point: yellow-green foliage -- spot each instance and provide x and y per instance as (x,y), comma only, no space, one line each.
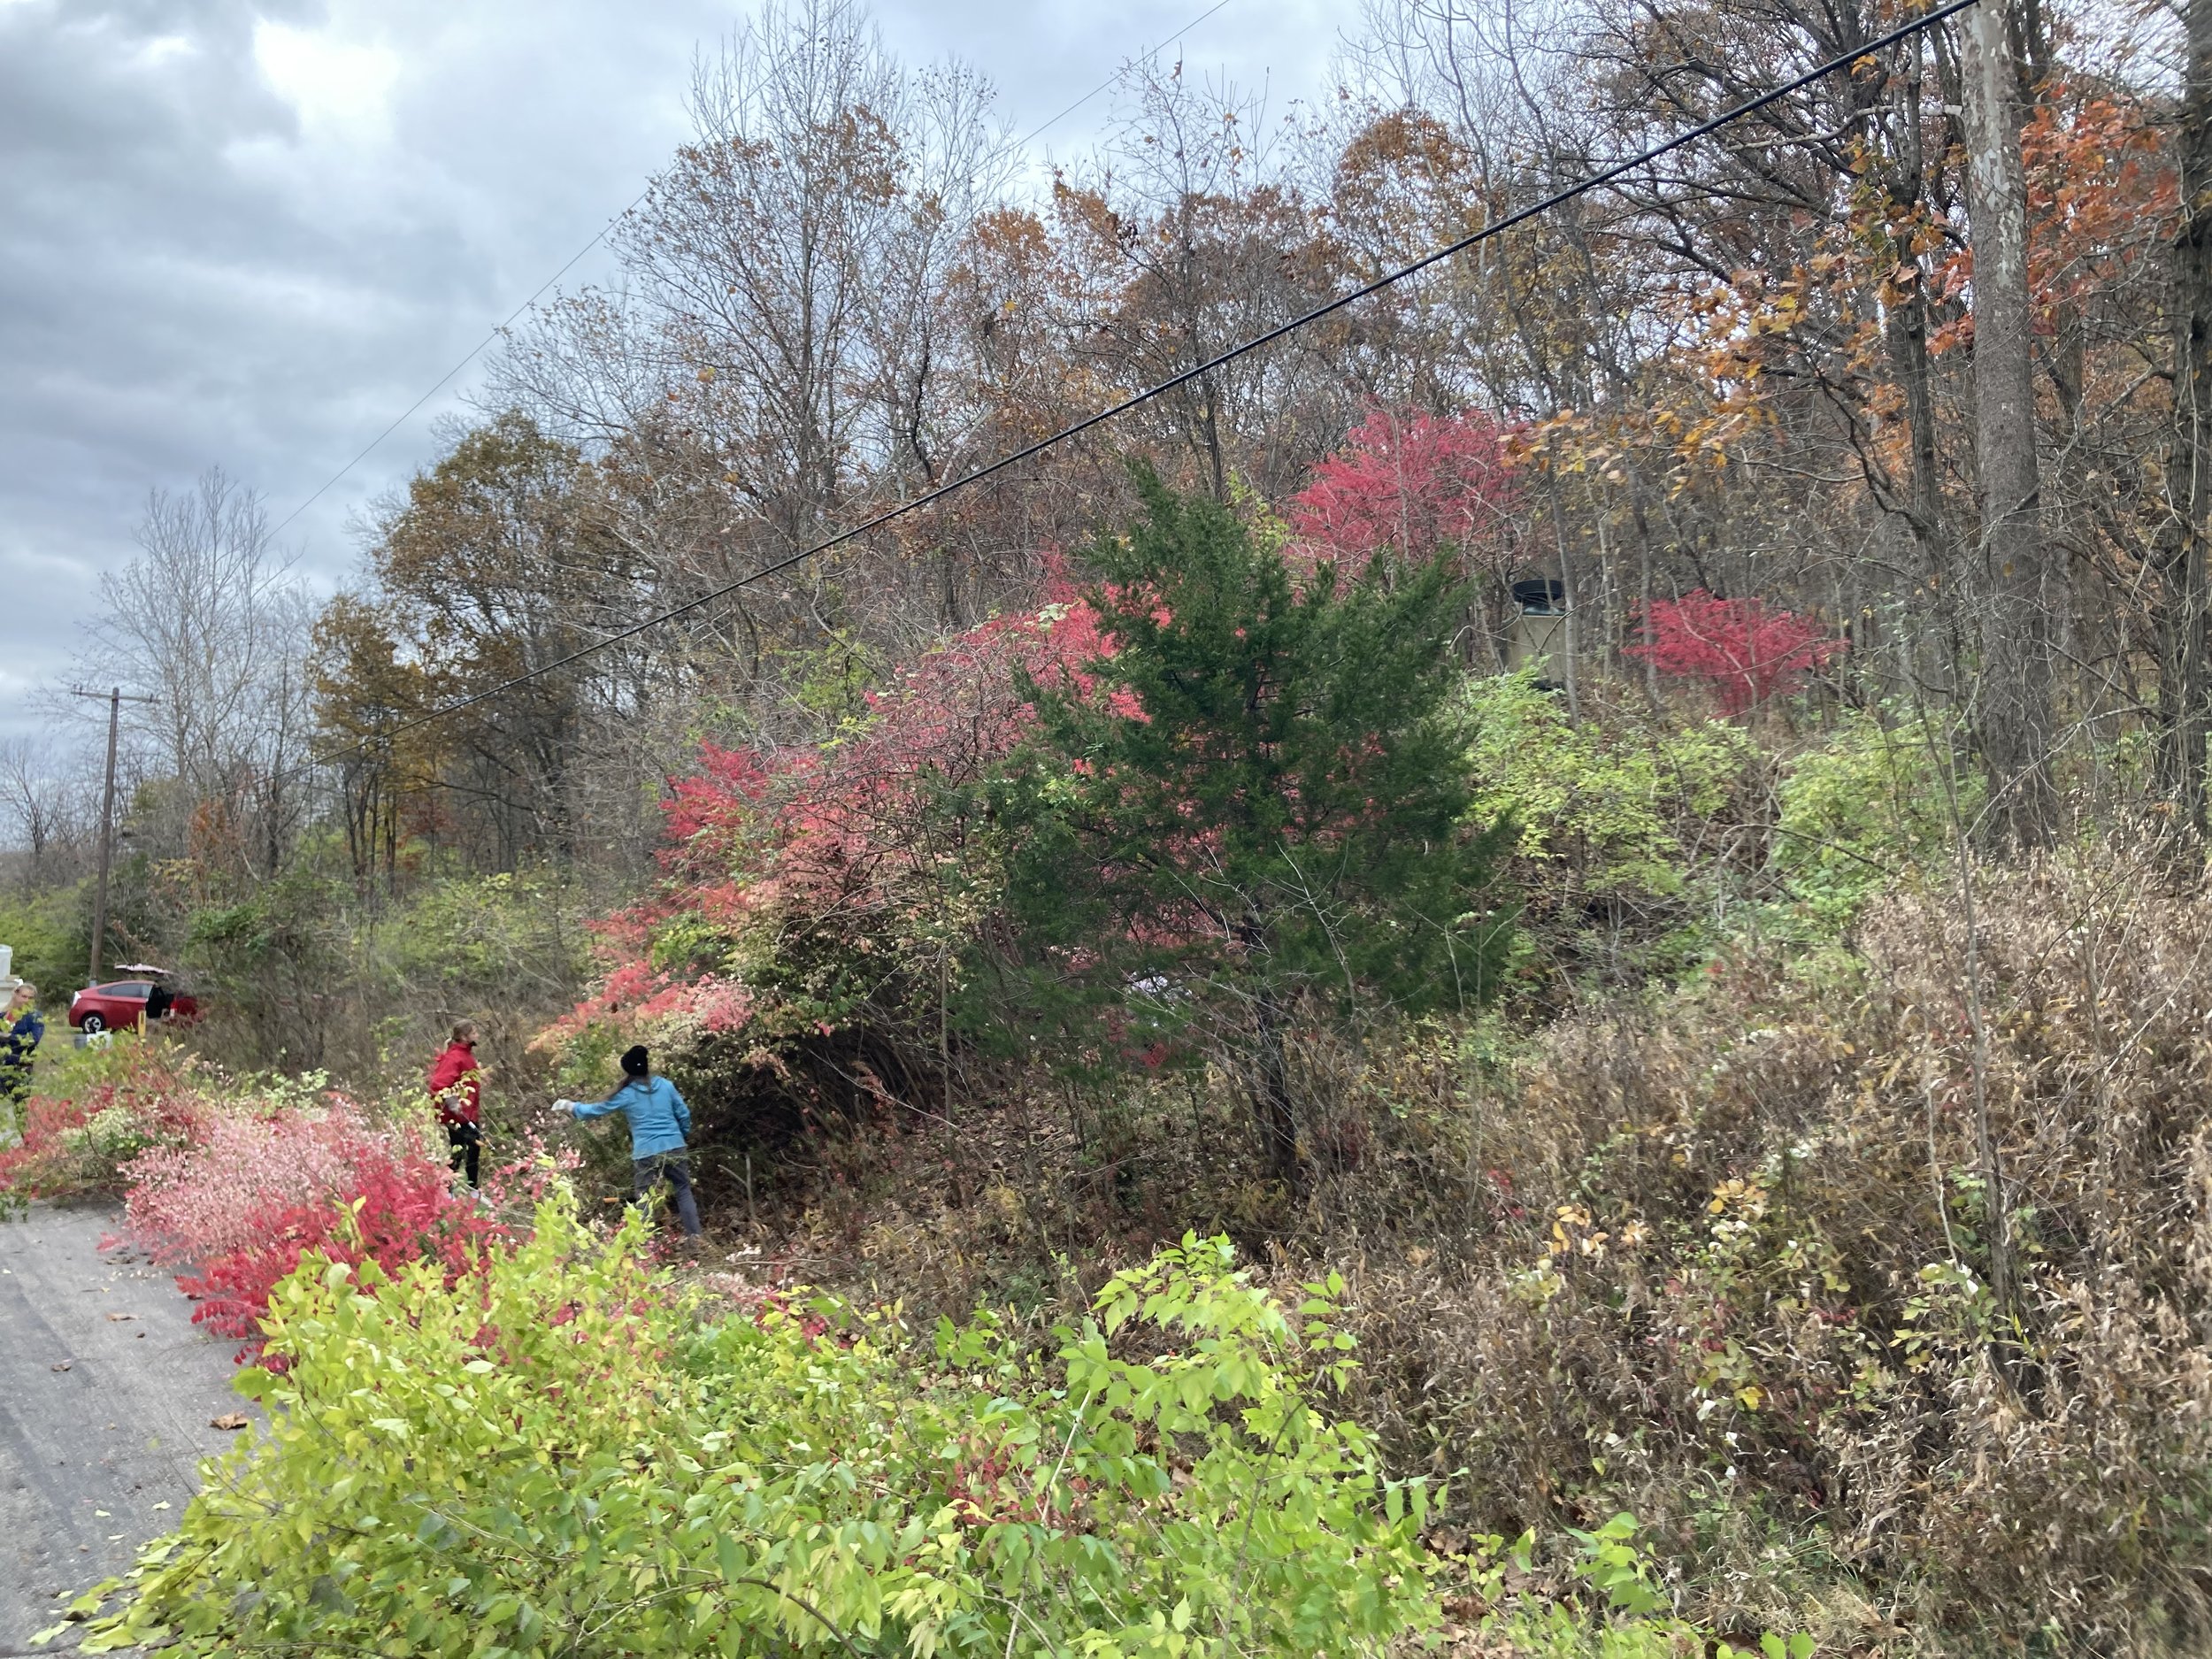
(1603,803)
(503,937)
(1868,809)
(560,1457)
(48,933)
(1561,1632)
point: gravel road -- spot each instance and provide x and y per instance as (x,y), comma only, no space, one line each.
(107,1394)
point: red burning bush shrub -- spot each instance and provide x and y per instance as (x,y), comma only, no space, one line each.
(81,1144)
(1744,649)
(1414,482)
(260,1189)
(235,1183)
(811,887)
(195,1203)
(401,1210)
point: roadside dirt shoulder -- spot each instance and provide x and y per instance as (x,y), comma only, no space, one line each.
(108,1394)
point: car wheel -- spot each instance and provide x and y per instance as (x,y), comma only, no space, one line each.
(95,1023)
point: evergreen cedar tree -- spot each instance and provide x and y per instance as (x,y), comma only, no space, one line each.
(1252,808)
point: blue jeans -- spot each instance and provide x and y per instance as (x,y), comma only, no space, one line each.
(648,1172)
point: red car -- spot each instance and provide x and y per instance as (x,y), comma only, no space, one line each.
(120,1003)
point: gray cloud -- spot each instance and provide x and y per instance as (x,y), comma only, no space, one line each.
(251,234)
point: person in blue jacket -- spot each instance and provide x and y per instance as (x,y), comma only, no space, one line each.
(659,1120)
(18,1043)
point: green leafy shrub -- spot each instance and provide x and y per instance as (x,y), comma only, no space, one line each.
(50,938)
(1615,1569)
(487,940)
(1610,1602)
(1866,809)
(267,967)
(568,1456)
(1616,814)
(1605,801)
(1560,1632)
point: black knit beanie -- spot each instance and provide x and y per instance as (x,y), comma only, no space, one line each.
(637,1062)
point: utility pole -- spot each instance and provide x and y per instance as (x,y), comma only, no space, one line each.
(115,700)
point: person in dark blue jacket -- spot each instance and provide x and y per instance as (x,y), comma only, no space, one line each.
(25,1030)
(659,1122)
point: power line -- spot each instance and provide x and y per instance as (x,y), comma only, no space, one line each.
(600,235)
(1496,227)
(1150,51)
(474,352)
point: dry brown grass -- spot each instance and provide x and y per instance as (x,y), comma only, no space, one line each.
(1721,1257)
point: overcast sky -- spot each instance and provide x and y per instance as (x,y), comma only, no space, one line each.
(250,235)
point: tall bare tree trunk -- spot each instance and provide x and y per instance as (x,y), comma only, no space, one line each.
(2185,698)
(2015,720)
(1909,330)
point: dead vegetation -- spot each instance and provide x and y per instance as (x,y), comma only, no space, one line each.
(1733,1257)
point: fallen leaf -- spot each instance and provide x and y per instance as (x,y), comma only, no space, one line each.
(117,1318)
(65,1365)
(230,1420)
(163,1504)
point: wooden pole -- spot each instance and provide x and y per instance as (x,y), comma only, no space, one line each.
(107,836)
(115,702)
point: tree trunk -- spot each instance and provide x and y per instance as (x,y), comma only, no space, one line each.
(1642,521)
(2185,698)
(2015,692)
(1907,333)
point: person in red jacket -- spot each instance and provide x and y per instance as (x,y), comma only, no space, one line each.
(455,1090)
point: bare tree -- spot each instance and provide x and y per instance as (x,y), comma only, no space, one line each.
(791,342)
(784,275)
(209,622)
(43,795)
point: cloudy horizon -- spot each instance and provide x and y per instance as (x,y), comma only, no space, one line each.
(250,235)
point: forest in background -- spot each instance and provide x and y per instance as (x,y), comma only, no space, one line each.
(1743,1055)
